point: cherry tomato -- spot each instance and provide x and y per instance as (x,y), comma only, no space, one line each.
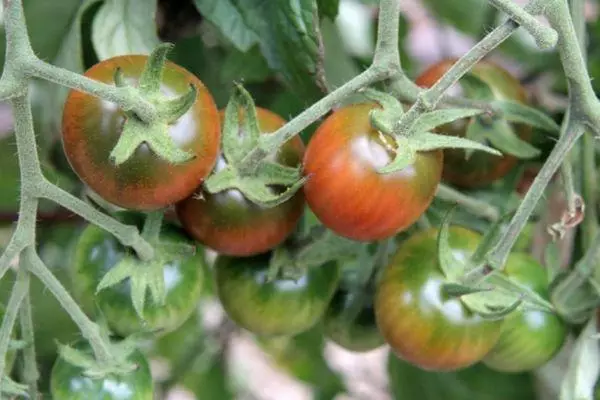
(354,329)
(420,324)
(232,225)
(98,251)
(345,190)
(68,382)
(91,128)
(280,307)
(481,168)
(529,338)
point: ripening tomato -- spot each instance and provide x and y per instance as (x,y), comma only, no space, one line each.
(346,191)
(352,325)
(529,338)
(69,382)
(481,168)
(421,325)
(91,128)
(280,307)
(232,225)
(98,251)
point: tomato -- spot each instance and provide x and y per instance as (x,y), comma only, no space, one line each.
(529,338)
(420,324)
(357,332)
(98,251)
(231,224)
(481,168)
(91,128)
(68,382)
(345,190)
(280,307)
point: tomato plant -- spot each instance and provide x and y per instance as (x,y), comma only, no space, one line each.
(529,338)
(421,325)
(70,382)
(345,189)
(480,168)
(282,306)
(233,225)
(350,321)
(97,252)
(91,128)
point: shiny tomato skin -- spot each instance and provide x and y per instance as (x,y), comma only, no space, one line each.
(91,128)
(232,225)
(98,251)
(481,168)
(359,333)
(281,307)
(68,382)
(344,188)
(529,338)
(421,326)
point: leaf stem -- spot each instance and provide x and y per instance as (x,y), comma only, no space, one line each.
(471,204)
(30,370)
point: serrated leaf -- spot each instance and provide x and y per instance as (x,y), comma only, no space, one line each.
(431,141)
(584,366)
(226,15)
(502,137)
(124,27)
(431,120)
(520,113)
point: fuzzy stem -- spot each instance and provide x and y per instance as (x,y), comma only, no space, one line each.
(152,225)
(471,204)
(30,370)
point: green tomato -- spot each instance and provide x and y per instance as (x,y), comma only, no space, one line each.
(529,338)
(350,321)
(280,307)
(68,382)
(414,317)
(98,251)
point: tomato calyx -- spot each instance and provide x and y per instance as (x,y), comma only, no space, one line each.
(153,133)
(418,138)
(265,183)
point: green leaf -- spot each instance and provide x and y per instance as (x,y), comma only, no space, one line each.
(520,113)
(226,15)
(429,121)
(467,16)
(328,8)
(501,135)
(584,366)
(288,33)
(476,382)
(125,27)
(249,66)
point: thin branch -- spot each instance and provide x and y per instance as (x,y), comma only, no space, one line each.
(30,370)
(471,204)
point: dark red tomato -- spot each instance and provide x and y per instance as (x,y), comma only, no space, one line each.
(280,307)
(345,190)
(68,382)
(529,338)
(352,325)
(232,225)
(421,325)
(91,128)
(98,251)
(481,168)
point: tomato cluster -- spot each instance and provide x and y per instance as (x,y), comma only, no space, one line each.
(406,308)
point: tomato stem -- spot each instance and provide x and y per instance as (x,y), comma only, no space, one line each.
(152,225)
(473,205)
(30,370)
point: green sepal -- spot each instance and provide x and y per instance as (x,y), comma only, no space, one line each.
(384,118)
(172,109)
(431,120)
(151,76)
(520,113)
(12,389)
(452,268)
(257,191)
(500,313)
(458,290)
(92,367)
(145,276)
(502,136)
(155,135)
